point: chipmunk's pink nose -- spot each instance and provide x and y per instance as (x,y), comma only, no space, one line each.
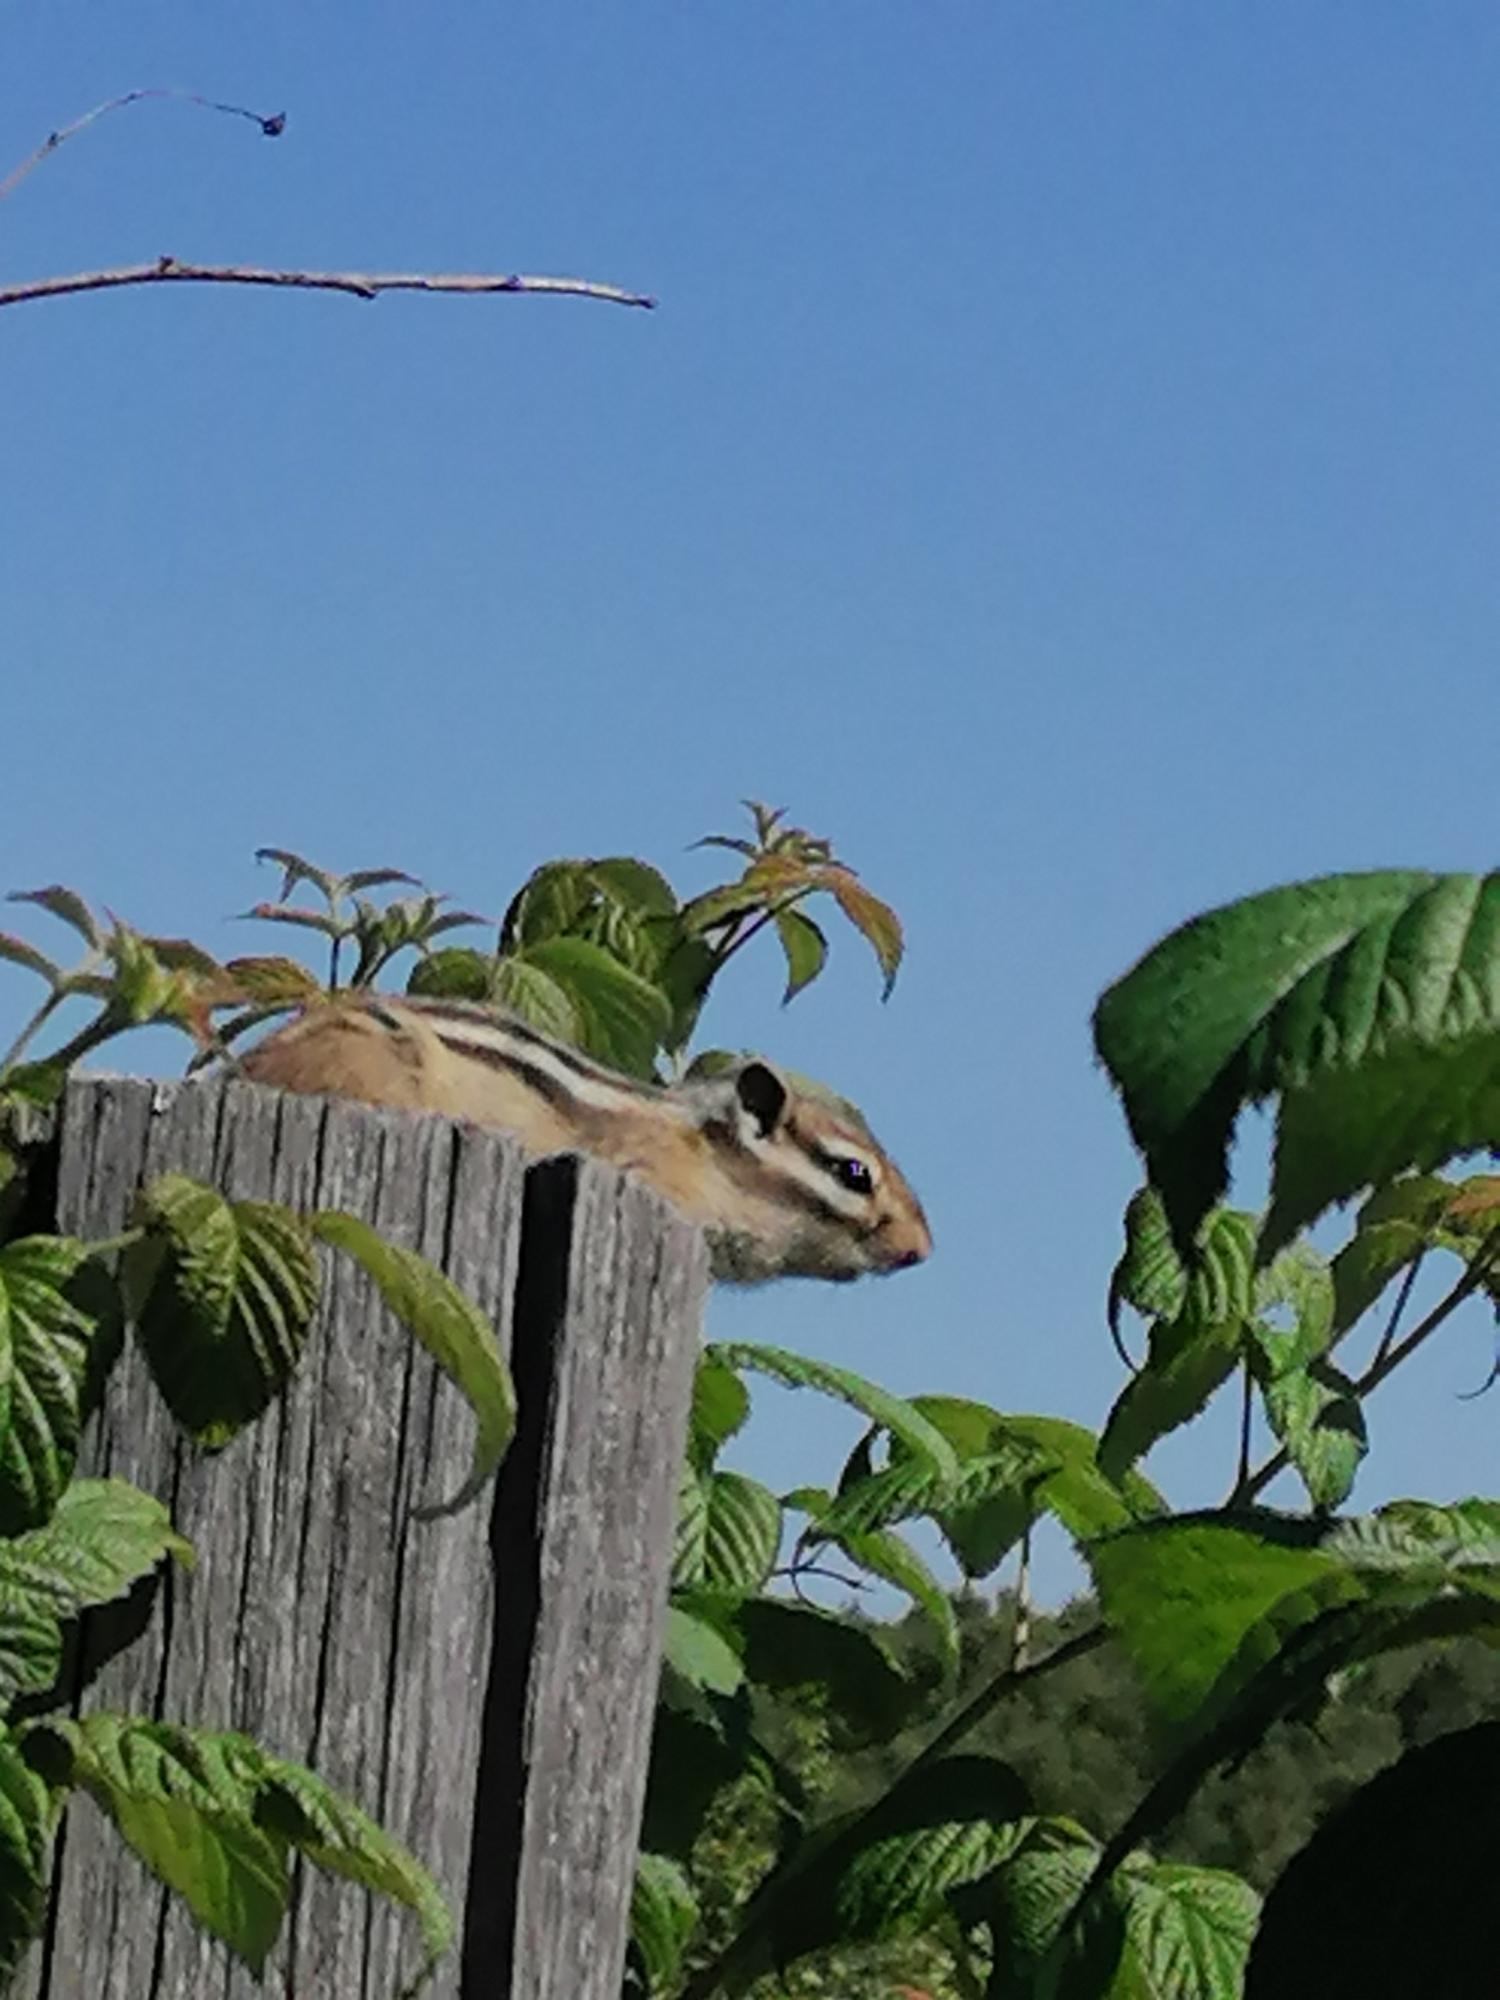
(908,1242)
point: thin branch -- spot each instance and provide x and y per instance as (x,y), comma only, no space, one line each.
(794,1573)
(359,284)
(1247,1411)
(1403,1293)
(271,128)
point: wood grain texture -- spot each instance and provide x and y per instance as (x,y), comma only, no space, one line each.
(326,1620)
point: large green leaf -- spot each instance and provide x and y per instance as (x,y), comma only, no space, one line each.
(62,1314)
(531,992)
(805,947)
(892,1413)
(623,1019)
(888,1556)
(1187,1933)
(214,1816)
(103,1537)
(452,1329)
(28,1809)
(742,1533)
(1184,1594)
(223,1294)
(1369,1003)
(1192,1353)
(184,1801)
(697,1651)
(721,1403)
(333,1833)
(789,1645)
(1057,1473)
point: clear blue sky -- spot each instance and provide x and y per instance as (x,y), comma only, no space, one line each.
(1063,468)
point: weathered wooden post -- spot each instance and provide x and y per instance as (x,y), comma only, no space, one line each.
(483,1684)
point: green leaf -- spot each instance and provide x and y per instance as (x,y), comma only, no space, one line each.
(457,973)
(635,885)
(28,1810)
(1187,1932)
(548,904)
(104,1536)
(892,1413)
(1183,1595)
(721,1404)
(537,997)
(1369,1003)
(788,1645)
(336,1836)
(952,1822)
(1150,1275)
(742,1533)
(886,1555)
(224,1293)
(452,1329)
(1056,1471)
(805,947)
(184,1802)
(63,1320)
(663,1916)
(1030,1896)
(699,1652)
(690,1535)
(622,1017)
(1314,1410)
(1191,1354)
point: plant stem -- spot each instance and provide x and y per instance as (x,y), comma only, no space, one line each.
(1403,1294)
(1020,1635)
(1247,1407)
(33,1027)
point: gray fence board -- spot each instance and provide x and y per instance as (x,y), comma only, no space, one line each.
(482,1683)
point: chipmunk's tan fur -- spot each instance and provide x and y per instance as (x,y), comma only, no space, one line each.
(786,1179)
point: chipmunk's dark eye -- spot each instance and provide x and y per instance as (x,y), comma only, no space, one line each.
(852,1174)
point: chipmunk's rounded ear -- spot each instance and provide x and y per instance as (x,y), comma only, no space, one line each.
(762,1093)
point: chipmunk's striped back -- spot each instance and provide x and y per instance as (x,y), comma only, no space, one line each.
(786,1178)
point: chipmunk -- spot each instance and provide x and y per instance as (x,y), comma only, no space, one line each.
(786,1179)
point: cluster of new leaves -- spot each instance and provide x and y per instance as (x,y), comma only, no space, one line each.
(133,979)
(603,954)
(220,1296)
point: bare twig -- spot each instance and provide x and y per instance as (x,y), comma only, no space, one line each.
(360,284)
(271,127)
